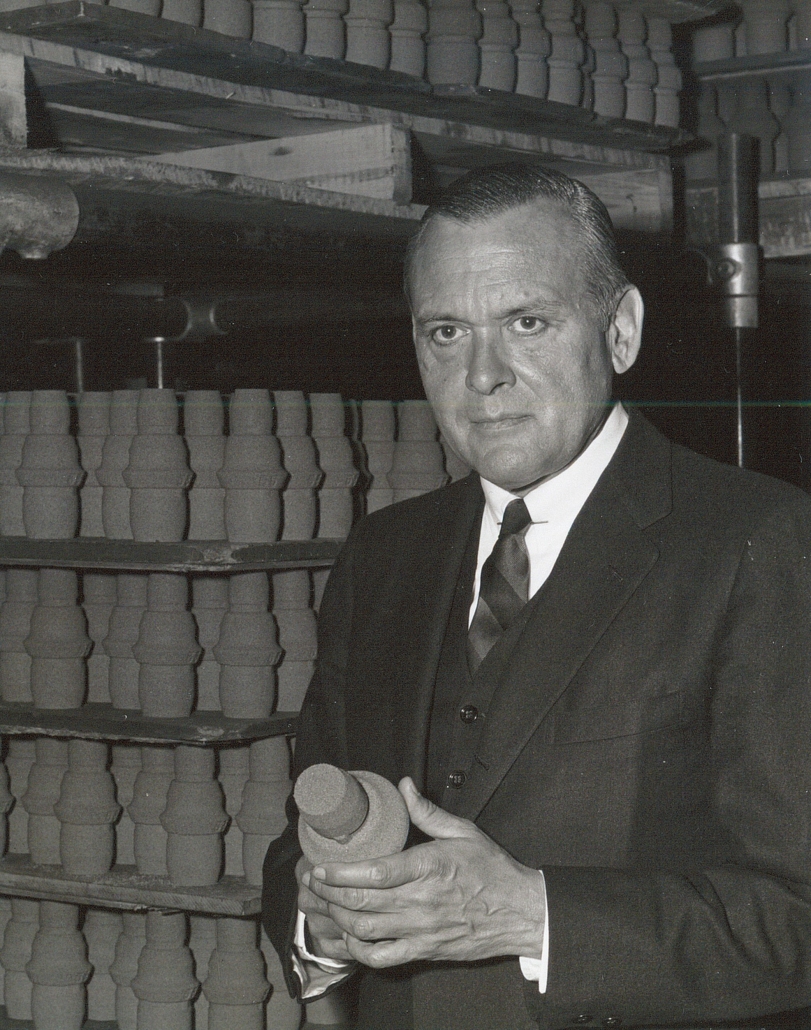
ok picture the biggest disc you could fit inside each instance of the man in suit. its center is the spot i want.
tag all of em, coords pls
(599, 714)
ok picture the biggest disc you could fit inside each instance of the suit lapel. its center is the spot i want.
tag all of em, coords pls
(605, 558)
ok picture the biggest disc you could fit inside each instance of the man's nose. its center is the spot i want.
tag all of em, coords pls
(488, 366)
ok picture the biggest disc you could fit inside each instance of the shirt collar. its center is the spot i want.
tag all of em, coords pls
(561, 497)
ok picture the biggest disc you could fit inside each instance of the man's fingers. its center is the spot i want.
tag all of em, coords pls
(430, 818)
(380, 954)
(378, 874)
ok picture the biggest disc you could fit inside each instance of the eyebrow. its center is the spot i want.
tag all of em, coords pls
(549, 308)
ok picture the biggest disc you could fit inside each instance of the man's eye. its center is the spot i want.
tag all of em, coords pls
(446, 334)
(526, 324)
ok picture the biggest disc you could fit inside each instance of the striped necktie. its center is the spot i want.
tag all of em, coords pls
(504, 584)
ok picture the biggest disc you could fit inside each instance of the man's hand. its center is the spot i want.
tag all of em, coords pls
(459, 897)
(326, 938)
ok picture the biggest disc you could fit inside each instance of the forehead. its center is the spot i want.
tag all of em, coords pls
(534, 246)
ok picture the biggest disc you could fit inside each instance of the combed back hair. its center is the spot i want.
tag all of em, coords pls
(484, 193)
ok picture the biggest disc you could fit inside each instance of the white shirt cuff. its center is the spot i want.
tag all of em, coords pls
(538, 968)
(315, 973)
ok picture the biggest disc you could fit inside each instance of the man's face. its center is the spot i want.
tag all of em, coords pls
(509, 343)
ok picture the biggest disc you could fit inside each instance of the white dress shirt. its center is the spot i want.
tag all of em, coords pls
(553, 506)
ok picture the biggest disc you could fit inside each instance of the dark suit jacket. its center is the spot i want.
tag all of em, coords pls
(648, 747)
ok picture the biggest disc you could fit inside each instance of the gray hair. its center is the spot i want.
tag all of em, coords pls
(484, 193)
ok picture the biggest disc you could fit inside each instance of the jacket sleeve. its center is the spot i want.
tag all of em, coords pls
(320, 738)
(733, 941)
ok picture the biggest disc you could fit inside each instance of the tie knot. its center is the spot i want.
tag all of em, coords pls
(516, 518)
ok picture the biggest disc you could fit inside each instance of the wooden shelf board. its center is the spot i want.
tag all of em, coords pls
(747, 67)
(203, 55)
(7, 1023)
(103, 722)
(125, 888)
(185, 556)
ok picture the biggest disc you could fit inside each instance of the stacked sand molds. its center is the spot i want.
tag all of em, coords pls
(165, 645)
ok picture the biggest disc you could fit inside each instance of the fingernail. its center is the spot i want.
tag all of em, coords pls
(319, 873)
(306, 879)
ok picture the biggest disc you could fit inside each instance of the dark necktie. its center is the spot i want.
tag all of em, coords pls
(504, 584)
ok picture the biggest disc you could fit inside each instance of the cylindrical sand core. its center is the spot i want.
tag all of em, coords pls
(331, 801)
(348, 817)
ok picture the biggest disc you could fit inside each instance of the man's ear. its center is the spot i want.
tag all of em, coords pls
(624, 335)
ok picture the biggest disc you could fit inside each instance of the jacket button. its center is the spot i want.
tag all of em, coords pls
(582, 1018)
(457, 778)
(469, 713)
(612, 1021)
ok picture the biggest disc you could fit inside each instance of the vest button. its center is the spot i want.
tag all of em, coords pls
(469, 713)
(457, 778)
(612, 1021)
(584, 1017)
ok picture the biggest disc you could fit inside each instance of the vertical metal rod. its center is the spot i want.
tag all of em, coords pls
(739, 342)
(159, 361)
(78, 349)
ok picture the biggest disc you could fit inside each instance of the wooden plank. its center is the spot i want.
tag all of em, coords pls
(103, 722)
(13, 119)
(784, 213)
(753, 67)
(124, 888)
(368, 161)
(184, 556)
(136, 41)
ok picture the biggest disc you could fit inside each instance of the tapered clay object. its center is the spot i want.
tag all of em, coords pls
(148, 802)
(236, 986)
(16, 426)
(611, 65)
(325, 34)
(534, 48)
(347, 817)
(101, 932)
(5, 916)
(209, 605)
(158, 473)
(753, 117)
(188, 12)
(122, 635)
(280, 23)
(668, 76)
(87, 810)
(418, 464)
(230, 17)
(94, 428)
(15, 625)
(194, 819)
(202, 941)
(497, 45)
(6, 802)
(115, 497)
(125, 767)
(233, 775)
(19, 759)
(124, 968)
(58, 969)
(367, 36)
(407, 44)
(165, 983)
(640, 102)
(99, 598)
(49, 471)
(247, 650)
(18, 942)
(299, 509)
(765, 26)
(58, 642)
(377, 438)
(252, 473)
(167, 649)
(42, 793)
(203, 417)
(262, 814)
(452, 57)
(283, 1012)
(298, 636)
(568, 53)
(335, 458)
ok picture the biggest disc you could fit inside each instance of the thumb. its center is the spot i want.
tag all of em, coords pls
(430, 818)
